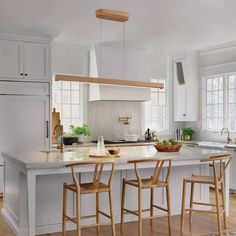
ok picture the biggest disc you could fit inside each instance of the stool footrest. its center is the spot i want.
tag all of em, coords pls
(160, 208)
(104, 214)
(205, 204)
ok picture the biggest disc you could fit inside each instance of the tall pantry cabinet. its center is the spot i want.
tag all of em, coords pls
(25, 85)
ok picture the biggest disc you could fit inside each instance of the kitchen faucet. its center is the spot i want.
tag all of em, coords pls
(59, 134)
(229, 140)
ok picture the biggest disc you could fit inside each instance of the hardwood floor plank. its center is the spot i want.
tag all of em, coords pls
(202, 224)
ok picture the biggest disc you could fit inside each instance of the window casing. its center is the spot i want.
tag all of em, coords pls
(219, 102)
(156, 117)
(66, 100)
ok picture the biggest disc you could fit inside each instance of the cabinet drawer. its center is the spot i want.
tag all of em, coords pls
(24, 88)
(1, 179)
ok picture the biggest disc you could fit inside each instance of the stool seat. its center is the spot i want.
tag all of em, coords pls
(86, 188)
(202, 179)
(96, 186)
(216, 180)
(159, 179)
(146, 183)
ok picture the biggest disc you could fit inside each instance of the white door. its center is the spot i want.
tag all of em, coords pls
(36, 61)
(24, 122)
(11, 60)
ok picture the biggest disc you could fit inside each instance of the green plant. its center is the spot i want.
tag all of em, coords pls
(80, 130)
(188, 131)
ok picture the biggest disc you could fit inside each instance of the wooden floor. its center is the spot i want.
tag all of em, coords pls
(202, 224)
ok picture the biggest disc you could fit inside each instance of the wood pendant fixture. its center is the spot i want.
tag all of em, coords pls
(119, 16)
(107, 14)
(105, 81)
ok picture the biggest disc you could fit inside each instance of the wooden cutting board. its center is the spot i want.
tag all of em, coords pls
(55, 123)
(104, 156)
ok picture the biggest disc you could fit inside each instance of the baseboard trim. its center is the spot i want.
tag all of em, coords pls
(10, 219)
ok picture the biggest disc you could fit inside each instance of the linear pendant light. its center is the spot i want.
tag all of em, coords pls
(107, 14)
(119, 82)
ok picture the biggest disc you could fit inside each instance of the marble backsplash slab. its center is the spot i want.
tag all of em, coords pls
(103, 119)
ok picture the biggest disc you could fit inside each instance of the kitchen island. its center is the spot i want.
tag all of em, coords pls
(34, 181)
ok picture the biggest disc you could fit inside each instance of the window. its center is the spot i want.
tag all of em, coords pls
(156, 109)
(219, 102)
(66, 100)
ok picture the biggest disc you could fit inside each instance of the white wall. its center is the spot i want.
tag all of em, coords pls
(218, 59)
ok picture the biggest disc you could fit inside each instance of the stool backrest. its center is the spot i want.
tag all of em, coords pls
(221, 159)
(98, 170)
(157, 170)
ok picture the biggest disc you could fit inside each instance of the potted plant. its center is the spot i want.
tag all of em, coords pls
(80, 132)
(187, 133)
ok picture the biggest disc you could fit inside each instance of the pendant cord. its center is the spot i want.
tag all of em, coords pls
(124, 50)
(100, 49)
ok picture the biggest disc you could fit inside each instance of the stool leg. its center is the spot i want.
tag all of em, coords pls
(97, 212)
(191, 203)
(223, 203)
(218, 209)
(139, 211)
(122, 205)
(151, 204)
(111, 213)
(64, 210)
(168, 207)
(183, 206)
(78, 213)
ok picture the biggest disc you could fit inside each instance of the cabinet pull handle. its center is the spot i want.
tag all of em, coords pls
(47, 129)
(184, 114)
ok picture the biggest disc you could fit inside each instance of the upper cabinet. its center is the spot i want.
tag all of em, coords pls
(24, 61)
(183, 72)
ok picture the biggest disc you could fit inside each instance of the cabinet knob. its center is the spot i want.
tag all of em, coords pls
(21, 74)
(26, 74)
(184, 114)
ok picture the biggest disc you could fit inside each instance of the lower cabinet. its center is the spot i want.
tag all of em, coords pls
(1, 180)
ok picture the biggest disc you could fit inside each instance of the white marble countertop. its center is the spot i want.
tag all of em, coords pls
(56, 159)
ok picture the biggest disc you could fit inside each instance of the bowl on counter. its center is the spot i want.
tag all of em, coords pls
(113, 151)
(168, 148)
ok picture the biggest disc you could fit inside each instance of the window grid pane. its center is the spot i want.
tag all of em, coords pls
(66, 100)
(231, 108)
(155, 110)
(214, 103)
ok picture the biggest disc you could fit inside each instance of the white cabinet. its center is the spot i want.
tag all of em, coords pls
(24, 61)
(183, 74)
(1, 180)
(24, 122)
(11, 59)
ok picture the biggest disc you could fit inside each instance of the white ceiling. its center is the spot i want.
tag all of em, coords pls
(171, 24)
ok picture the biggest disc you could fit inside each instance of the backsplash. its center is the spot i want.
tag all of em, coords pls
(103, 119)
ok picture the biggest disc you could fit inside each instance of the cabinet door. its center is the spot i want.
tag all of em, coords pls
(179, 98)
(1, 180)
(24, 122)
(11, 60)
(36, 61)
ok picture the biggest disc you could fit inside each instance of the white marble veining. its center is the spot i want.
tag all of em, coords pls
(56, 159)
(103, 119)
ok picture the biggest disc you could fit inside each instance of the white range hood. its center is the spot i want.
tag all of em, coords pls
(110, 62)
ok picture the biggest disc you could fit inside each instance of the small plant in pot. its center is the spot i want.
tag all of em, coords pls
(187, 133)
(80, 132)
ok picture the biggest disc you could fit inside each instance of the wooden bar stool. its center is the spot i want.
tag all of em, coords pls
(216, 180)
(94, 187)
(151, 183)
